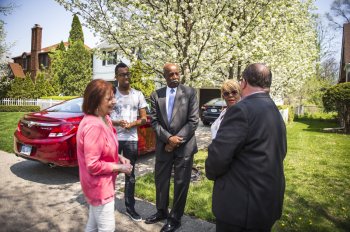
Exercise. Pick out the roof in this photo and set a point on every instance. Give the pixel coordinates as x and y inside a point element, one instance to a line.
<point>49,48</point>
<point>16,70</point>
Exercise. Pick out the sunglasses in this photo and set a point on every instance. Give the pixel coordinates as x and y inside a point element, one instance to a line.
<point>125,75</point>
<point>226,93</point>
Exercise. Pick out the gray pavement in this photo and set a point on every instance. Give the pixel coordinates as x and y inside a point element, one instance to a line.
<point>34,197</point>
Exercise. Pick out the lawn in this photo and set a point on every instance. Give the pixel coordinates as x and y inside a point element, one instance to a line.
<point>317,169</point>
<point>8,125</point>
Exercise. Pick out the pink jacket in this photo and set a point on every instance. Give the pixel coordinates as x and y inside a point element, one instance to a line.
<point>97,151</point>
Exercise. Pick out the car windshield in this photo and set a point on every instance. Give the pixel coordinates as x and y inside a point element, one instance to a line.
<point>72,106</point>
<point>216,102</point>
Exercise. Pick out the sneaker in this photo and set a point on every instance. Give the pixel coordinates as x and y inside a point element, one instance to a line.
<point>133,215</point>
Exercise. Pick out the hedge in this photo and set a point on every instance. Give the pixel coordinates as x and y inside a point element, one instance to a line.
<point>19,108</point>
<point>59,97</point>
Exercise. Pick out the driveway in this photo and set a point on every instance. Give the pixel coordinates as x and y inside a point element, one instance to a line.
<point>34,197</point>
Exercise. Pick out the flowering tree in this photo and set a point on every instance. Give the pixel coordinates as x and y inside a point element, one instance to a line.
<point>211,40</point>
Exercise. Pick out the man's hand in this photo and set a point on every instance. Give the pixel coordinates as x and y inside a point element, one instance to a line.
<point>169,148</point>
<point>175,141</point>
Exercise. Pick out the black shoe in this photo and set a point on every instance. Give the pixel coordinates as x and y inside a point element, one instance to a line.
<point>170,226</point>
<point>159,216</point>
<point>133,215</point>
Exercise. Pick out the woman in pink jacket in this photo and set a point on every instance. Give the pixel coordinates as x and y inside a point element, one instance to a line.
<point>97,151</point>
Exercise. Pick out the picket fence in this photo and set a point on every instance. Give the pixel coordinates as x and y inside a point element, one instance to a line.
<point>43,103</point>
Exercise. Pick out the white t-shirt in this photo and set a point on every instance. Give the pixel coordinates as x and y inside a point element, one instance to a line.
<point>127,108</point>
<point>216,124</point>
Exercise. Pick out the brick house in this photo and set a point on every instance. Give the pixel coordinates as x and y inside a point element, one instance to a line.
<point>344,72</point>
<point>35,60</point>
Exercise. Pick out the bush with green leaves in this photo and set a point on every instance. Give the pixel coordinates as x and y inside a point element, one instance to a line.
<point>19,108</point>
<point>23,88</point>
<point>290,111</point>
<point>142,78</point>
<point>337,98</point>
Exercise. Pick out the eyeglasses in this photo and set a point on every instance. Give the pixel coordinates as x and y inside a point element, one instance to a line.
<point>227,93</point>
<point>125,75</point>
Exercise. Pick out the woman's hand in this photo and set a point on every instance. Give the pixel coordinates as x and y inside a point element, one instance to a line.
<point>123,160</point>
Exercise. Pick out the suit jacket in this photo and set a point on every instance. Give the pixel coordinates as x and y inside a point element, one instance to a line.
<point>184,120</point>
<point>246,162</point>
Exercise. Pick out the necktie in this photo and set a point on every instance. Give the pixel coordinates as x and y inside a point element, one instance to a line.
<point>171,103</point>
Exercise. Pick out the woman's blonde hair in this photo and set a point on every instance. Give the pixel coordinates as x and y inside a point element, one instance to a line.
<point>230,85</point>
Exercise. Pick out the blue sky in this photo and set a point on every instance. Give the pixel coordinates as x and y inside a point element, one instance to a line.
<point>56,23</point>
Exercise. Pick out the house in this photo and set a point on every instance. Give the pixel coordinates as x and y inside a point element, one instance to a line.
<point>344,72</point>
<point>104,60</point>
<point>35,60</point>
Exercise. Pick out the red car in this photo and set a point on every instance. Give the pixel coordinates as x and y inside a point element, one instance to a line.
<point>49,136</point>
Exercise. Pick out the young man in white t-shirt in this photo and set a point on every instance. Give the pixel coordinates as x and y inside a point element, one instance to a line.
<point>130,104</point>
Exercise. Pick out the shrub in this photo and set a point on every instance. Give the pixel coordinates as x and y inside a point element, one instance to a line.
<point>290,111</point>
<point>19,108</point>
<point>337,98</point>
<point>59,97</point>
<point>320,116</point>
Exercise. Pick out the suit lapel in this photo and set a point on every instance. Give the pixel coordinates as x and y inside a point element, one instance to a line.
<point>177,102</point>
<point>162,104</point>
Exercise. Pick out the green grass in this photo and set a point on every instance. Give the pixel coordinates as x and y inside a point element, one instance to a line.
<point>8,125</point>
<point>317,169</point>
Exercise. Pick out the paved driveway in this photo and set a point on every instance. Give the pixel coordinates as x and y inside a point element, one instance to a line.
<point>34,197</point>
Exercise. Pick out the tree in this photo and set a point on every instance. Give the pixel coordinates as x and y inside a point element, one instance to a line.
<point>76,32</point>
<point>71,68</point>
<point>339,13</point>
<point>210,40</point>
<point>4,10</point>
<point>337,98</point>
<point>61,47</point>
<point>22,88</point>
<point>43,86</point>
<point>77,71</point>
<point>142,78</point>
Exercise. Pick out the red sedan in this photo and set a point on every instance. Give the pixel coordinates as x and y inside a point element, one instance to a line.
<point>49,136</point>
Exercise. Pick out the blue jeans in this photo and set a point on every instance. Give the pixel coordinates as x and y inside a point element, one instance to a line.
<point>129,151</point>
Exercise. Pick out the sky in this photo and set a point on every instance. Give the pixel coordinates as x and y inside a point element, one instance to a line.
<point>56,23</point>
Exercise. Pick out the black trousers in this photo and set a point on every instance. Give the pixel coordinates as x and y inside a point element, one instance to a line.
<point>225,227</point>
<point>129,151</point>
<point>182,176</point>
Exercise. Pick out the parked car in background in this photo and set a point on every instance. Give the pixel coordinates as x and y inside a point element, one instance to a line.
<point>49,136</point>
<point>211,110</point>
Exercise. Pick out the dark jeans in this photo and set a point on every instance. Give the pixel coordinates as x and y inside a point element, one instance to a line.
<point>129,151</point>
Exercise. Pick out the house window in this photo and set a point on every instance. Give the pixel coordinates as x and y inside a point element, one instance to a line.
<point>43,60</point>
<point>109,58</point>
<point>24,62</point>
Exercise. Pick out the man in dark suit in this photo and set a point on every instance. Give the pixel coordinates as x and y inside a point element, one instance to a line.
<point>175,120</point>
<point>245,160</point>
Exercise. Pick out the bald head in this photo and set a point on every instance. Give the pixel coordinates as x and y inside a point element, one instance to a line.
<point>171,74</point>
<point>258,75</point>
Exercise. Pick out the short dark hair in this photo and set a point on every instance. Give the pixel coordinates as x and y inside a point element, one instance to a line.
<point>120,65</point>
<point>258,74</point>
<point>94,93</point>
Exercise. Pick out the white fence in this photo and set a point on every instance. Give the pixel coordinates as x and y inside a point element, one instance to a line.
<point>43,103</point>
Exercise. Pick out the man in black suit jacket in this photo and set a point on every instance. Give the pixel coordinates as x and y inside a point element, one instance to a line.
<point>176,144</point>
<point>245,160</point>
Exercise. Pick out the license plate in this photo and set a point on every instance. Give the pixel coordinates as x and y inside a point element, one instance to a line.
<point>26,149</point>
<point>214,110</point>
